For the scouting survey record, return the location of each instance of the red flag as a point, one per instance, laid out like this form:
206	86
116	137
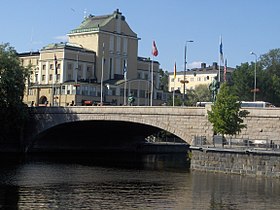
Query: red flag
225	71
155	50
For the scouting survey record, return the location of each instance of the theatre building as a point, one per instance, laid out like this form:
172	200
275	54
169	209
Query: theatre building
99	65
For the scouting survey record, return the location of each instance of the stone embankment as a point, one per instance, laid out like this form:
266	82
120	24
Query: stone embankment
243	162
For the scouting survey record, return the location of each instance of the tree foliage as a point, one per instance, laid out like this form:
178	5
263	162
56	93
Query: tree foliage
12	83
243	78
201	93
225	115
267	77
163	80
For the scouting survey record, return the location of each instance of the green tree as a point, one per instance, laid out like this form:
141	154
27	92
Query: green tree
243	80
164	80
225	115
201	93
12	84
269	78
177	99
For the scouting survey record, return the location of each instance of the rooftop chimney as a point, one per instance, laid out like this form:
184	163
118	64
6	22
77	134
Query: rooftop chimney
203	65
215	66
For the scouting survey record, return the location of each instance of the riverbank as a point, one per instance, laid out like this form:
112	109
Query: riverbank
235	161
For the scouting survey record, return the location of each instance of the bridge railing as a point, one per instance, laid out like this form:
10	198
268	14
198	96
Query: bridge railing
236	143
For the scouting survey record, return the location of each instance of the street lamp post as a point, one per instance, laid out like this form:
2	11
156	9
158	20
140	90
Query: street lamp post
255	75
185	68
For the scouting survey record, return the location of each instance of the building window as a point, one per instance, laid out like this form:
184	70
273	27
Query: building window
138	75
58	66
159	96
142	94
114	92
110	68
57	77
51	66
69	66
146	76
134	92
44	67
192	79
43	77
172	79
92	91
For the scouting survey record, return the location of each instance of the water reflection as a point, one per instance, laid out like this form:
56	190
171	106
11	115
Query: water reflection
131	182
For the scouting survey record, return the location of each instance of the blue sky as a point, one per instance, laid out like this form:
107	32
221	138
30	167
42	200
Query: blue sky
245	25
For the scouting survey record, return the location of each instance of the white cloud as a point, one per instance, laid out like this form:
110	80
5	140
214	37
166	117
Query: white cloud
194	64
63	38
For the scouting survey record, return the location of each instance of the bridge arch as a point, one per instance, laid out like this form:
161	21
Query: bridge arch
182	122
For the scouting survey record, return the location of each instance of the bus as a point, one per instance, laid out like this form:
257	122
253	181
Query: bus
244	104
256	104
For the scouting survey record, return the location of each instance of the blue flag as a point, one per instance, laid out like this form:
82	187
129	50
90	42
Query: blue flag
124	71
221	51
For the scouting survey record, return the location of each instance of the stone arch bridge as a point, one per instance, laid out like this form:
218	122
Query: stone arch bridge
184	122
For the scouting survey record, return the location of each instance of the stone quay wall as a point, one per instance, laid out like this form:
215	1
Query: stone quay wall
253	162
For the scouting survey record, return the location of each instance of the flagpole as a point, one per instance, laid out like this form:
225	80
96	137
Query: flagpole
124	93
102	72
154	53
219	73
53	82
55	78
174	75
152	82
173	92
219	69
125	80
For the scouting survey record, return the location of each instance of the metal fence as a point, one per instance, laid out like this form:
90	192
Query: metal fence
236	143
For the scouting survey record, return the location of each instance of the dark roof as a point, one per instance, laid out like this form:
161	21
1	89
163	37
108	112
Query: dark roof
93	23
23	54
148	60
66	45
214	69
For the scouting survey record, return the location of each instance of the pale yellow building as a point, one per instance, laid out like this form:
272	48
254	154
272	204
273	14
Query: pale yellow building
62	74
100	57
197	76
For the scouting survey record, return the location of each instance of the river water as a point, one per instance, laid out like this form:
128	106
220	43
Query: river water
129	182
